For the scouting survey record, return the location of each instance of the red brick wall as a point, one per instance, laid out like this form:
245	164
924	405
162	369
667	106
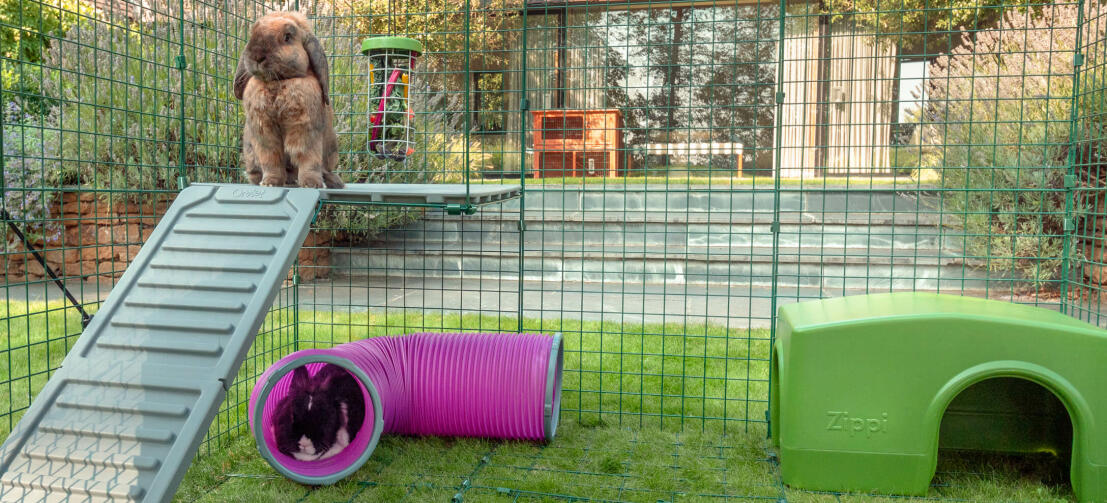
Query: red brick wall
101	238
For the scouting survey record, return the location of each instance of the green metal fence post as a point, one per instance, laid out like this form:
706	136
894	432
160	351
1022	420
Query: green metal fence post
524	111
3	163
775	225
467	77
182	174
1070	177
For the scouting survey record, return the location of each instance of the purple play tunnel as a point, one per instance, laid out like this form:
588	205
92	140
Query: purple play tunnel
480	385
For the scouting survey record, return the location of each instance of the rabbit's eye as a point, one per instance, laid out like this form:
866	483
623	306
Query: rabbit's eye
287	37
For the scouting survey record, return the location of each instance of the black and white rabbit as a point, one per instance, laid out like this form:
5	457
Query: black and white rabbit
320	415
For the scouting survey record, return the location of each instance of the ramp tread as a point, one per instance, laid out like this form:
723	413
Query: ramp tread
222	249
204	327
228	286
207	348
108	431
261	233
145	408
235	307
258	268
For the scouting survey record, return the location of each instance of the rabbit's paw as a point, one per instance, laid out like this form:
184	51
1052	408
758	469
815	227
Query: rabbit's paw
311	181
272	181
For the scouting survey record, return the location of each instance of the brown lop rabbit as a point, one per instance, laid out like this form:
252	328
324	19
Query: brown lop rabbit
282	82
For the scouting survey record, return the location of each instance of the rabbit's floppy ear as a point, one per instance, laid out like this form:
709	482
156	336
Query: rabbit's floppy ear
328	374
318	61
300	379
241	76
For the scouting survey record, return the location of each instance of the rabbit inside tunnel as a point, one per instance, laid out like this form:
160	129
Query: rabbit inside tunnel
321	414
282	81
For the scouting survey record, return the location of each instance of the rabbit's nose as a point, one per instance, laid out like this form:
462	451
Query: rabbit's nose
260	58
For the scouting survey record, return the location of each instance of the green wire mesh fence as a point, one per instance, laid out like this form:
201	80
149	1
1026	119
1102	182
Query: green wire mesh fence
687	168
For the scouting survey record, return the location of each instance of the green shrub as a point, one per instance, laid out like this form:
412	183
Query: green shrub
120	105
996	129
906	159
30	158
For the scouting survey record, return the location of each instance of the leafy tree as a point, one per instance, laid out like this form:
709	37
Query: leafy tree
440	26
703	75
27	29
490	86
911	23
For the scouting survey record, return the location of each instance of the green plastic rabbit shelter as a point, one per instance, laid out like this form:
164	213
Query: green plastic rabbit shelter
865	389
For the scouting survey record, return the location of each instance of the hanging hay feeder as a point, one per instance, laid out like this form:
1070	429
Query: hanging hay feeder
391	63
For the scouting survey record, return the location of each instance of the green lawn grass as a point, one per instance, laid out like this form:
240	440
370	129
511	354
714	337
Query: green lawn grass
650	413
34	337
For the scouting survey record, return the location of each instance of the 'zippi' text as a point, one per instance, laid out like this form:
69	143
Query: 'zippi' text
841	421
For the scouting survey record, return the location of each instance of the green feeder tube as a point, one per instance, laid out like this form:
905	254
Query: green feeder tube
391	62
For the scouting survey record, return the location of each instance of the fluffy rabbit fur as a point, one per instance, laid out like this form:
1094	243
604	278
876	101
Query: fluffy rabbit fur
282	82
320	415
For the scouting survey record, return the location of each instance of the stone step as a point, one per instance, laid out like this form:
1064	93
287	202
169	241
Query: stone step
489	213
724	200
747	254
551	234
859	268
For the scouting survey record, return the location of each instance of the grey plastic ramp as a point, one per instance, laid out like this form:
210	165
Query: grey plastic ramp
124	415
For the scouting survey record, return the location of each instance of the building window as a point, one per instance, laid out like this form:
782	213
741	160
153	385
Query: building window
912	96
488	104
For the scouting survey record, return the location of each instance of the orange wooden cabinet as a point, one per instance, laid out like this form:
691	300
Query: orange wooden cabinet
578	143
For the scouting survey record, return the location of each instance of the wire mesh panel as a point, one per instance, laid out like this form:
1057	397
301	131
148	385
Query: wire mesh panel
639	221
1088	210
686	168
925	150
110	106
88	92
426	270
